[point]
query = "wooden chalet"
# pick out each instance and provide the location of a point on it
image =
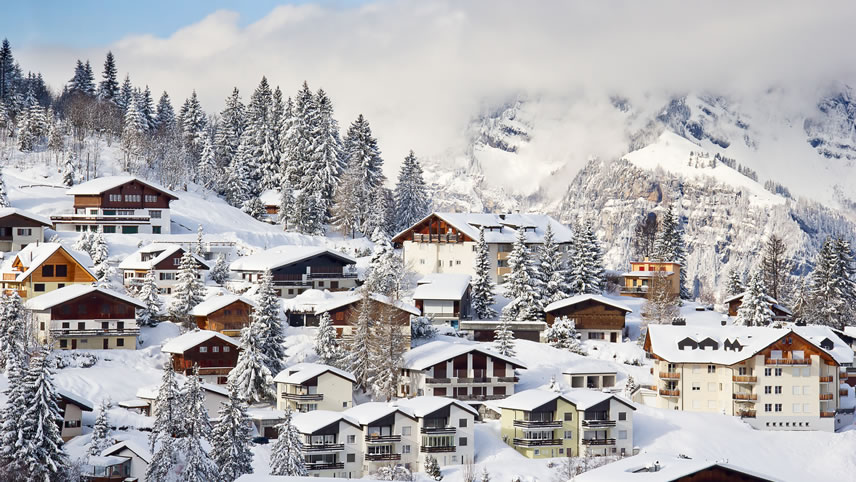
(41, 268)
(596, 317)
(215, 353)
(296, 269)
(162, 258)
(227, 314)
(780, 313)
(19, 228)
(344, 309)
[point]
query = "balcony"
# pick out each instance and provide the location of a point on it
(843, 392)
(434, 381)
(669, 393)
(382, 439)
(670, 376)
(437, 430)
(214, 370)
(325, 466)
(827, 379)
(479, 398)
(303, 397)
(744, 379)
(62, 332)
(538, 423)
(827, 414)
(322, 447)
(826, 396)
(525, 442)
(508, 379)
(634, 289)
(100, 218)
(598, 423)
(744, 397)
(378, 457)
(746, 413)
(598, 441)
(787, 361)
(435, 450)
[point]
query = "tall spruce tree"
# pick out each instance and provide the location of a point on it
(286, 456)
(220, 270)
(101, 430)
(198, 466)
(108, 89)
(188, 291)
(503, 338)
(358, 358)
(523, 285)
(229, 129)
(193, 125)
(267, 315)
(411, 197)
(670, 247)
(552, 269)
(326, 345)
(734, 284)
(164, 114)
(148, 295)
(482, 298)
(230, 439)
(755, 308)
(365, 175)
(166, 409)
(126, 94)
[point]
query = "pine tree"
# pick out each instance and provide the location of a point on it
(326, 345)
(365, 165)
(100, 255)
(220, 270)
(148, 295)
(208, 174)
(84, 242)
(386, 268)
(108, 89)
(193, 125)
(379, 212)
(198, 465)
(164, 460)
(522, 284)
(286, 457)
(432, 468)
(126, 94)
(164, 114)
(230, 128)
(13, 330)
(286, 205)
(256, 141)
(562, 334)
(482, 298)
(734, 283)
(18, 397)
(327, 156)
(69, 171)
(267, 316)
(133, 131)
(230, 439)
(4, 198)
(358, 359)
(166, 409)
(669, 247)
(346, 211)
(89, 79)
(755, 308)
(255, 207)
(188, 291)
(832, 291)
(503, 338)
(200, 239)
(251, 375)
(101, 430)
(411, 198)
(585, 273)
(552, 269)
(146, 106)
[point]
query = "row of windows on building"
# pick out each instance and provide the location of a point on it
(132, 198)
(114, 229)
(153, 213)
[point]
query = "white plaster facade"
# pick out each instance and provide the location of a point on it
(325, 391)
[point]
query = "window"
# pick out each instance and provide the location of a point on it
(796, 408)
(622, 416)
(110, 229)
(696, 386)
(167, 276)
(125, 212)
(132, 198)
(806, 371)
(778, 372)
(151, 198)
(226, 349)
(405, 449)
(115, 197)
(215, 349)
(796, 370)
(778, 407)
(768, 407)
(72, 423)
(462, 441)
(768, 372)
(711, 368)
(569, 435)
(768, 389)
(569, 416)
(63, 343)
(25, 232)
(457, 261)
(42, 326)
(778, 390)
(696, 404)
(61, 270)
(806, 390)
(120, 342)
(405, 431)
(39, 287)
(806, 408)
(93, 212)
(65, 325)
(156, 229)
(109, 212)
(351, 440)
(81, 325)
(203, 349)
(462, 423)
(622, 435)
(537, 452)
(130, 229)
(422, 261)
(351, 457)
(48, 271)
(344, 404)
(154, 214)
(796, 391)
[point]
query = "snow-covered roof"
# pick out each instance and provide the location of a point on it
(182, 343)
(75, 399)
(282, 256)
(530, 399)
(664, 341)
(505, 226)
(26, 214)
(584, 398)
(96, 461)
(217, 302)
(573, 300)
(165, 250)
(150, 392)
(300, 373)
(661, 466)
(270, 197)
(432, 353)
(426, 405)
(310, 422)
(366, 413)
(317, 301)
(138, 450)
(34, 254)
(102, 184)
(588, 366)
(442, 286)
(71, 292)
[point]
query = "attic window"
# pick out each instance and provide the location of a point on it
(827, 344)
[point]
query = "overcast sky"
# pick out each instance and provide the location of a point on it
(420, 70)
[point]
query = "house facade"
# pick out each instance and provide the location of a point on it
(227, 314)
(118, 204)
(138, 458)
(446, 242)
(165, 260)
(444, 298)
(484, 330)
(86, 317)
(18, 228)
(215, 353)
(593, 378)
(780, 313)
(332, 444)
(446, 429)
(774, 379)
(462, 371)
(595, 317)
(605, 423)
(636, 281)
(390, 436)
(44, 267)
(72, 407)
(296, 269)
(306, 387)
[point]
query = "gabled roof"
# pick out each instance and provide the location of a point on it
(75, 399)
(584, 398)
(134, 260)
(218, 302)
(426, 405)
(72, 292)
(300, 373)
(366, 413)
(34, 254)
(103, 184)
(150, 392)
(432, 353)
(182, 343)
(469, 224)
(311, 422)
(26, 214)
(528, 400)
(442, 286)
(573, 300)
(317, 301)
(270, 197)
(283, 256)
(665, 467)
(139, 451)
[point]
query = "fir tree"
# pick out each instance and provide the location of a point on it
(200, 239)
(18, 397)
(552, 269)
(100, 255)
(734, 283)
(504, 338)
(166, 409)
(432, 468)
(365, 175)
(251, 375)
(832, 291)
(230, 439)
(126, 94)
(164, 460)
(286, 205)
(193, 125)
(669, 247)
(230, 128)
(523, 286)
(326, 345)
(207, 171)
(256, 141)
(385, 267)
(164, 114)
(379, 212)
(101, 430)
(108, 89)
(220, 270)
(69, 171)
(146, 106)
(358, 359)
(235, 184)
(198, 465)
(755, 308)
(286, 457)
(188, 291)
(255, 207)
(267, 316)
(562, 334)
(327, 157)
(148, 295)
(13, 330)
(133, 131)
(585, 273)
(482, 298)
(411, 198)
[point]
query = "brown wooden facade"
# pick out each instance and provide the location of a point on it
(58, 270)
(718, 473)
(433, 229)
(793, 342)
(14, 220)
(94, 306)
(591, 315)
(132, 188)
(228, 320)
(347, 315)
(214, 356)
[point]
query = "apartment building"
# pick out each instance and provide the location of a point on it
(605, 422)
(390, 436)
(635, 282)
(444, 298)
(774, 378)
(332, 444)
(464, 371)
(18, 228)
(446, 242)
(162, 258)
(40, 268)
(306, 387)
(445, 429)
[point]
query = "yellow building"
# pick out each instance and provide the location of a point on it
(540, 424)
(638, 279)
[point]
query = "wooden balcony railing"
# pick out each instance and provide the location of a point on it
(670, 375)
(746, 413)
(379, 439)
(536, 442)
(435, 238)
(598, 423)
(538, 423)
(826, 379)
(670, 393)
(826, 396)
(376, 457)
(827, 414)
(508, 379)
(303, 396)
(433, 450)
(59, 332)
(787, 361)
(437, 430)
(744, 396)
(843, 392)
(598, 441)
(744, 379)
(325, 466)
(322, 447)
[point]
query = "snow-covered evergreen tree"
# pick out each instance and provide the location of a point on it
(148, 295)
(235, 186)
(734, 283)
(256, 208)
(755, 307)
(585, 271)
(101, 430)
(166, 409)
(133, 132)
(198, 466)
(267, 315)
(108, 89)
(503, 338)
(207, 171)
(251, 375)
(482, 298)
(286, 205)
(164, 114)
(193, 125)
(164, 460)
(358, 359)
(18, 397)
(552, 269)
(220, 270)
(379, 212)
(14, 332)
(69, 170)
(230, 439)
(832, 291)
(326, 344)
(126, 94)
(523, 284)
(286, 456)
(256, 151)
(365, 175)
(4, 197)
(188, 291)
(230, 128)
(100, 255)
(411, 197)
(432, 468)
(669, 246)
(385, 267)
(389, 343)
(84, 242)
(562, 334)
(326, 164)
(146, 106)
(198, 250)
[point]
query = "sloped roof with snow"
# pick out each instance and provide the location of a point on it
(217, 302)
(432, 353)
(75, 399)
(317, 301)
(165, 250)
(310, 422)
(182, 343)
(300, 373)
(366, 413)
(530, 399)
(584, 398)
(139, 451)
(283, 256)
(426, 405)
(26, 214)
(270, 197)
(573, 300)
(71, 292)
(504, 226)
(103, 184)
(35, 254)
(442, 286)
(588, 365)
(668, 467)
(664, 341)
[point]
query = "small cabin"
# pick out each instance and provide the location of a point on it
(215, 353)
(595, 317)
(227, 314)
(780, 313)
